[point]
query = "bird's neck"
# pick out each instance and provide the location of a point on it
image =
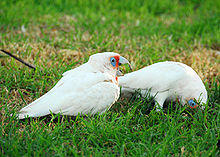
(110, 72)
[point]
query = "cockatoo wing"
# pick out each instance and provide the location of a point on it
(72, 94)
(97, 98)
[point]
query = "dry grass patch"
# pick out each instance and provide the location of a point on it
(42, 53)
(206, 62)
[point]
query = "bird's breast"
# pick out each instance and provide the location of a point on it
(114, 81)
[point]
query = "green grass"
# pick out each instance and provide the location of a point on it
(61, 35)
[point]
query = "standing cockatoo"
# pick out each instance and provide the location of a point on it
(166, 81)
(88, 89)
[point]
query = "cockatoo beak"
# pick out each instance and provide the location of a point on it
(123, 60)
(119, 73)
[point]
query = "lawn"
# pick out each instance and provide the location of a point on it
(57, 36)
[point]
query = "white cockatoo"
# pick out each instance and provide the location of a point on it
(88, 89)
(166, 81)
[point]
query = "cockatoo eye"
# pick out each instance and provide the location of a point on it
(192, 103)
(113, 61)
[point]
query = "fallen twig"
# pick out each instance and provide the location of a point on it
(20, 60)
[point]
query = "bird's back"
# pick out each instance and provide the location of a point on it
(175, 77)
(153, 76)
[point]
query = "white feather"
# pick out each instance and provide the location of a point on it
(165, 80)
(88, 89)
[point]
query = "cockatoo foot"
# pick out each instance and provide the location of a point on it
(203, 107)
(159, 110)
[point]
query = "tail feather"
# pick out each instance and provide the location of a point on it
(34, 109)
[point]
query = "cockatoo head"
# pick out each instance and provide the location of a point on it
(196, 101)
(107, 62)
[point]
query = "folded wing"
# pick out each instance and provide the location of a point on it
(74, 94)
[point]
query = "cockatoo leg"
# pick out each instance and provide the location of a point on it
(160, 99)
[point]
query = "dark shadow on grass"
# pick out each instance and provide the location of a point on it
(144, 104)
(49, 119)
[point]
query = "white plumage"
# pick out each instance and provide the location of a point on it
(165, 81)
(87, 89)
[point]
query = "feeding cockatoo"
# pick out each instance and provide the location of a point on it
(88, 89)
(166, 81)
